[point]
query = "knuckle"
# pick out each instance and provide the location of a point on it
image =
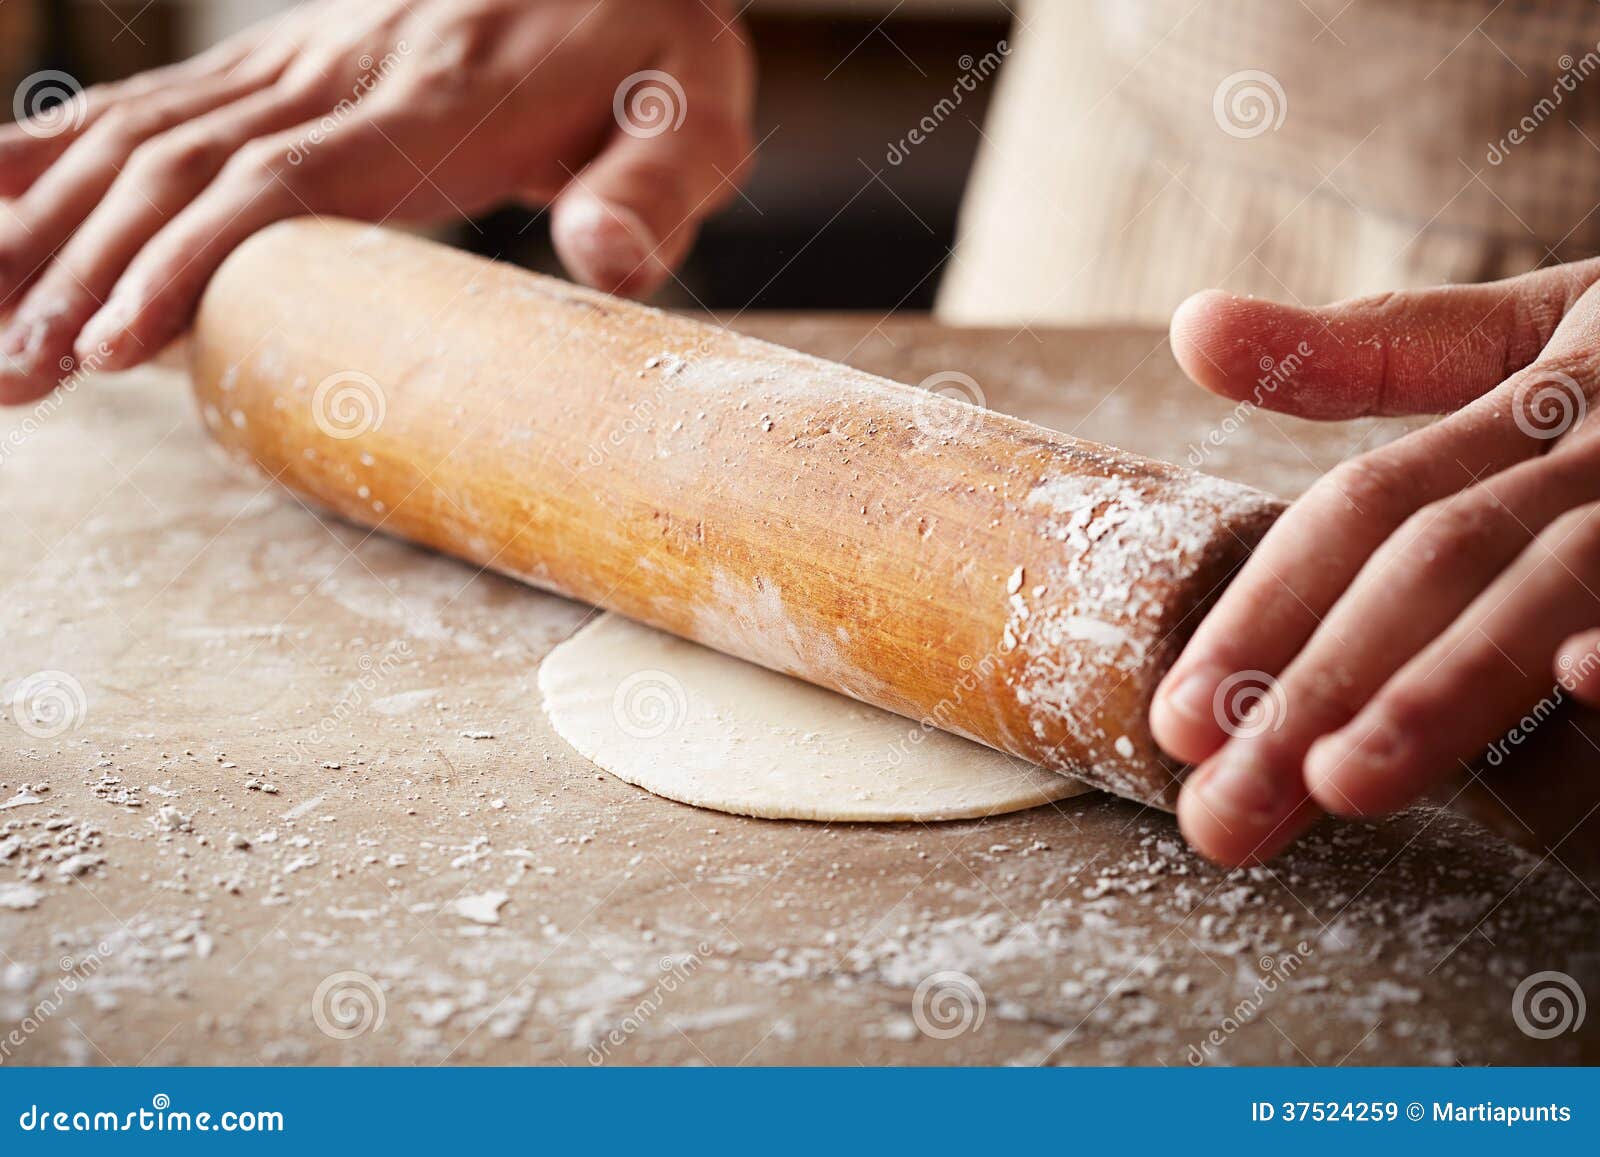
(1407, 707)
(176, 156)
(1574, 537)
(1448, 537)
(1370, 486)
(473, 43)
(1324, 697)
(256, 163)
(120, 128)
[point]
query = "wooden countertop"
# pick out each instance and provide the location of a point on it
(194, 887)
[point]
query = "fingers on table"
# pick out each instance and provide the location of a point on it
(1377, 645)
(1474, 681)
(160, 177)
(1367, 611)
(268, 179)
(1420, 351)
(29, 146)
(1306, 563)
(65, 193)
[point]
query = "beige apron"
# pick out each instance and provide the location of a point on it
(1304, 150)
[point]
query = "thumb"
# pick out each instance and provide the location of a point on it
(1426, 351)
(626, 221)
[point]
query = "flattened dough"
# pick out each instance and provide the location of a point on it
(699, 727)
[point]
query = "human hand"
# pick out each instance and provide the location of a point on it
(629, 118)
(1420, 598)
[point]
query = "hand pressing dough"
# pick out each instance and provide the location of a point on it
(699, 727)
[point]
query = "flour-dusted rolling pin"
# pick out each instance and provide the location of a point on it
(968, 570)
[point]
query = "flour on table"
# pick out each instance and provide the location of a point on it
(699, 727)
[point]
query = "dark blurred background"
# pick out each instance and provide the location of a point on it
(825, 221)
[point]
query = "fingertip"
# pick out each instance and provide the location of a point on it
(1242, 348)
(606, 245)
(1239, 809)
(1203, 338)
(103, 336)
(1208, 830)
(1324, 763)
(20, 391)
(1576, 665)
(1362, 769)
(1183, 715)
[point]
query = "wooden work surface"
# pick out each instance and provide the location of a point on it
(309, 757)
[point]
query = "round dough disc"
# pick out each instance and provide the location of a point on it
(699, 727)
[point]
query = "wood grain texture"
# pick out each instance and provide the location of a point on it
(968, 570)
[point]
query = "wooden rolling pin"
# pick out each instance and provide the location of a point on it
(968, 570)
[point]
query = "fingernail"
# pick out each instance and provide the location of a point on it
(1358, 751)
(1191, 696)
(21, 343)
(102, 329)
(613, 240)
(1239, 786)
